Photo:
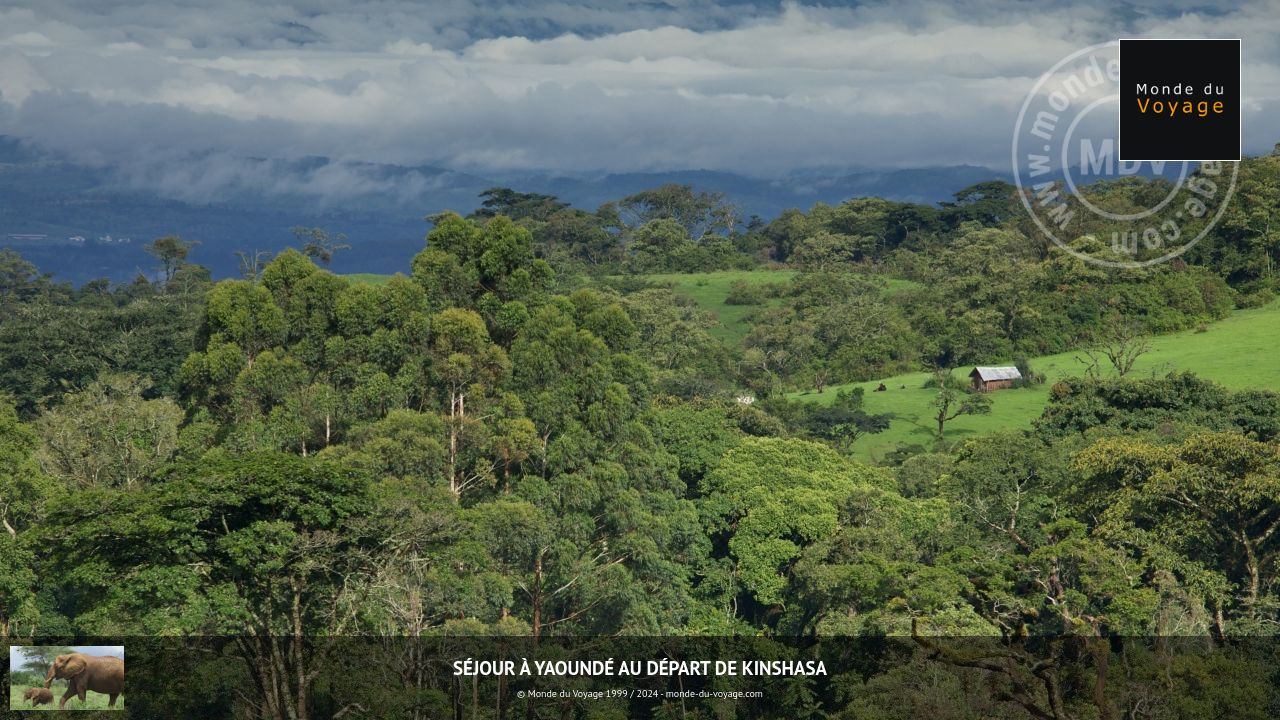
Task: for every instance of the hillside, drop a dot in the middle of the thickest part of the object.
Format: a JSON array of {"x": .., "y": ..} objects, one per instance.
[
  {"x": 710, "y": 289},
  {"x": 1238, "y": 352}
]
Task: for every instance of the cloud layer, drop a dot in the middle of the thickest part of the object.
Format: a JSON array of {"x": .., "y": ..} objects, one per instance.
[{"x": 754, "y": 88}]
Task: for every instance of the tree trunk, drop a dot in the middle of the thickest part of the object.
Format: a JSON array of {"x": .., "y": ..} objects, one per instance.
[
  {"x": 1251, "y": 567},
  {"x": 536, "y": 599},
  {"x": 457, "y": 413}
]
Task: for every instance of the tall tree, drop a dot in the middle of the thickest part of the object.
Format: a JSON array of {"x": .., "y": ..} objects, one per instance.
[
  {"x": 268, "y": 548},
  {"x": 108, "y": 435},
  {"x": 23, "y": 491},
  {"x": 318, "y": 244},
  {"x": 698, "y": 212},
  {"x": 171, "y": 251}
]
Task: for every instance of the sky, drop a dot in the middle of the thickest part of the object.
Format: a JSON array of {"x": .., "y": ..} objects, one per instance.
[{"x": 758, "y": 88}]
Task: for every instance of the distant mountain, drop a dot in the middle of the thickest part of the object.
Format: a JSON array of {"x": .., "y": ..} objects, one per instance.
[
  {"x": 82, "y": 222},
  {"x": 765, "y": 197}
]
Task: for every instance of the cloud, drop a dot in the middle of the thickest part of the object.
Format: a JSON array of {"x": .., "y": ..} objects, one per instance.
[{"x": 756, "y": 88}]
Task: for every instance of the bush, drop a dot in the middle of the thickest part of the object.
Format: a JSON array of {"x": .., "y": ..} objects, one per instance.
[
  {"x": 1255, "y": 299},
  {"x": 1030, "y": 378},
  {"x": 743, "y": 293}
]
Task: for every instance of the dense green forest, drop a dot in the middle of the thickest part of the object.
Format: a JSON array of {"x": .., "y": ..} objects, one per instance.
[{"x": 530, "y": 433}]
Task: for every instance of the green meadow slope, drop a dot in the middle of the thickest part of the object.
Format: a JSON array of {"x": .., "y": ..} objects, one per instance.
[
  {"x": 1242, "y": 351},
  {"x": 709, "y": 290}
]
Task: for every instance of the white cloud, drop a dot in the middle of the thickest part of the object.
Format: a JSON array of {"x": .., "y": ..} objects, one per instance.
[{"x": 760, "y": 89}]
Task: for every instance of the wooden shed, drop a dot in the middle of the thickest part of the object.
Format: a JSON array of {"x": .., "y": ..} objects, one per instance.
[{"x": 986, "y": 379}]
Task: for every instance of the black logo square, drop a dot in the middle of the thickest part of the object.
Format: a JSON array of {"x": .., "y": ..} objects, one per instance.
[{"x": 1179, "y": 100}]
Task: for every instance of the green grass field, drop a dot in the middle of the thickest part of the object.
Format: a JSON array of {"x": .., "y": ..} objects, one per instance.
[
  {"x": 1238, "y": 352},
  {"x": 709, "y": 290},
  {"x": 92, "y": 701}
]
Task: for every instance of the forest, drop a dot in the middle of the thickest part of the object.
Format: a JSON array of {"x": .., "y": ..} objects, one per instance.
[{"x": 531, "y": 436}]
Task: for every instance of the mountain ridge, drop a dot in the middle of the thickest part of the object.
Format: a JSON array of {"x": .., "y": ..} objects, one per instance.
[{"x": 232, "y": 204}]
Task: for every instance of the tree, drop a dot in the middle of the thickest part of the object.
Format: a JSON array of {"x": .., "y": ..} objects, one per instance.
[
  {"x": 406, "y": 444},
  {"x": 244, "y": 313},
  {"x": 698, "y": 212},
  {"x": 517, "y": 205},
  {"x": 19, "y": 279},
  {"x": 1212, "y": 502},
  {"x": 879, "y": 570},
  {"x": 318, "y": 244},
  {"x": 1122, "y": 342},
  {"x": 844, "y": 421},
  {"x": 1177, "y": 400},
  {"x": 268, "y": 548},
  {"x": 41, "y": 657},
  {"x": 1246, "y": 243},
  {"x": 824, "y": 251},
  {"x": 465, "y": 265},
  {"x": 466, "y": 363},
  {"x": 108, "y": 435},
  {"x": 987, "y": 202},
  {"x": 951, "y": 402},
  {"x": 1035, "y": 574},
  {"x": 251, "y": 263},
  {"x": 655, "y": 244},
  {"x": 769, "y": 498},
  {"x": 171, "y": 251},
  {"x": 23, "y": 490},
  {"x": 578, "y": 234},
  {"x": 50, "y": 345},
  {"x": 22, "y": 486}
]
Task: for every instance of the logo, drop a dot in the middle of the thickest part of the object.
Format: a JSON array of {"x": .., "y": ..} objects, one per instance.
[
  {"x": 1086, "y": 200},
  {"x": 1180, "y": 99}
]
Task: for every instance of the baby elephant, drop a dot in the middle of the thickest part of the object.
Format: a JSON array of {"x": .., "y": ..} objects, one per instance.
[{"x": 39, "y": 696}]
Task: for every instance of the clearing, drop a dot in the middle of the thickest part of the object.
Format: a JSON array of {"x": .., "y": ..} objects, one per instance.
[{"x": 1238, "y": 352}]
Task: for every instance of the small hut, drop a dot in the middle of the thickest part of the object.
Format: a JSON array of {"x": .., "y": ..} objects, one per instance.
[{"x": 986, "y": 379}]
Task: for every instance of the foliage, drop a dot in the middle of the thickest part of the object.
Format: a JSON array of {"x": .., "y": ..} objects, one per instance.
[
  {"x": 498, "y": 445},
  {"x": 109, "y": 435}
]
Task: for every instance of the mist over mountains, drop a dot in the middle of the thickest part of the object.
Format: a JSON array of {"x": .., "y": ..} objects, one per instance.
[{"x": 82, "y": 221}]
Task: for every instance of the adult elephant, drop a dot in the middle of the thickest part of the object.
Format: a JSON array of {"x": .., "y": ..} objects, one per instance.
[{"x": 87, "y": 672}]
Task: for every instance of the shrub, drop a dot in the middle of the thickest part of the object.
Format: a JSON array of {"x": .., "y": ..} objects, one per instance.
[
  {"x": 1030, "y": 378},
  {"x": 1255, "y": 299},
  {"x": 743, "y": 293}
]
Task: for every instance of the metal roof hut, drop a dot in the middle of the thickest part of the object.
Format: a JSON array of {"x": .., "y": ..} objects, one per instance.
[{"x": 986, "y": 379}]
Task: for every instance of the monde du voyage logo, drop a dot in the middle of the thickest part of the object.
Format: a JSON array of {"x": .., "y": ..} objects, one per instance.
[{"x": 1165, "y": 110}]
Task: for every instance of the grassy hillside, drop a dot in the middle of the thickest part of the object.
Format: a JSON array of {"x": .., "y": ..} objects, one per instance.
[
  {"x": 1238, "y": 352},
  {"x": 709, "y": 290}
]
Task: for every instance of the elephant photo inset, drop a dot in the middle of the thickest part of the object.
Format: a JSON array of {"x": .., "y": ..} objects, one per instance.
[{"x": 78, "y": 677}]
